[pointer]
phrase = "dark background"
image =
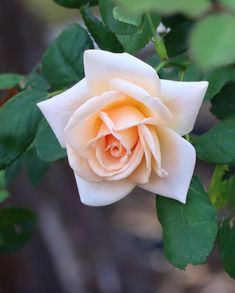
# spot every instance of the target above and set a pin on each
(75, 248)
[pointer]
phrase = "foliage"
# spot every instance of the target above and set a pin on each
(205, 32)
(226, 242)
(46, 144)
(62, 63)
(4, 193)
(9, 80)
(222, 186)
(217, 145)
(75, 3)
(190, 7)
(16, 228)
(17, 133)
(132, 37)
(189, 230)
(223, 104)
(102, 35)
(199, 46)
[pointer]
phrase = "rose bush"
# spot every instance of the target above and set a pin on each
(122, 127)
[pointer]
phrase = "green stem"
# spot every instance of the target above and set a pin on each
(174, 64)
(157, 42)
(161, 65)
(181, 74)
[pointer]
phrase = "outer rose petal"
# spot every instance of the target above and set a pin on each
(101, 67)
(60, 108)
(183, 100)
(178, 158)
(102, 193)
(80, 166)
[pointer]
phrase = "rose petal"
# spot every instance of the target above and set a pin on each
(129, 136)
(119, 127)
(125, 116)
(80, 166)
(85, 122)
(155, 107)
(98, 165)
(102, 193)
(142, 173)
(107, 164)
(150, 136)
(131, 165)
(102, 66)
(178, 159)
(60, 108)
(183, 100)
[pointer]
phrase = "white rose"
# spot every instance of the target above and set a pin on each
(122, 127)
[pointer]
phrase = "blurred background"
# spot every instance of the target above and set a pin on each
(75, 248)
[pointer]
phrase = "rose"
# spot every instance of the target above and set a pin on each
(122, 127)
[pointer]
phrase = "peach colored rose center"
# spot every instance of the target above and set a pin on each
(114, 147)
(123, 143)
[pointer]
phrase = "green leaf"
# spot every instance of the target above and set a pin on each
(230, 4)
(2, 179)
(75, 3)
(193, 73)
(19, 119)
(132, 43)
(16, 228)
(171, 73)
(222, 187)
(226, 243)
(121, 15)
(223, 104)
(190, 7)
(132, 38)
(47, 145)
(217, 78)
(177, 39)
(104, 38)
(218, 144)
(62, 63)
(219, 31)
(4, 194)
(173, 69)
(10, 80)
(154, 60)
(189, 230)
(13, 170)
(116, 26)
(36, 82)
(36, 168)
